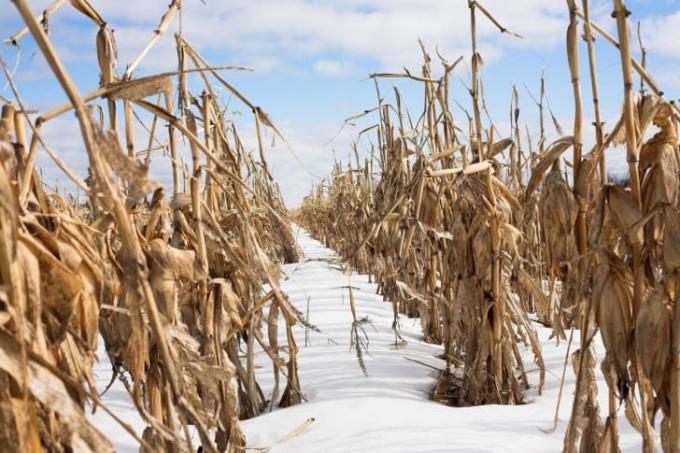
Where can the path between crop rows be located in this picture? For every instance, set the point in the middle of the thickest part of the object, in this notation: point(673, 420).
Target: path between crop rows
point(389, 409)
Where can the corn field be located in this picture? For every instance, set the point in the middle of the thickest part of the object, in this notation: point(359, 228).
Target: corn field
point(478, 235)
point(475, 235)
point(174, 286)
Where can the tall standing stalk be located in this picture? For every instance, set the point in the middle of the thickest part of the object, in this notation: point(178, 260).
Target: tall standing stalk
point(499, 309)
point(133, 252)
point(611, 429)
point(173, 298)
point(675, 371)
point(541, 117)
point(474, 90)
point(632, 151)
point(588, 405)
point(592, 64)
point(643, 53)
point(633, 157)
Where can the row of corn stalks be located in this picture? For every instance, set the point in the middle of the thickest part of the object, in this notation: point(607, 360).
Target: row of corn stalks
point(474, 233)
point(180, 286)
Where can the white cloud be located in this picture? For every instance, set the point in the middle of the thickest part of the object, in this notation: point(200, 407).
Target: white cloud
point(385, 31)
point(333, 68)
point(661, 34)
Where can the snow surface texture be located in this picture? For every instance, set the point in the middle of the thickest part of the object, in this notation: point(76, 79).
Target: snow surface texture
point(389, 410)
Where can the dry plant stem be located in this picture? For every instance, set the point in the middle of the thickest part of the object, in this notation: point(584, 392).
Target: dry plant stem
point(129, 129)
point(355, 339)
point(632, 150)
point(166, 20)
point(40, 19)
point(183, 102)
point(111, 89)
point(27, 177)
point(20, 135)
point(498, 299)
point(494, 233)
point(541, 112)
point(195, 185)
point(494, 21)
point(643, 52)
point(636, 65)
point(260, 143)
point(592, 65)
point(572, 53)
point(564, 373)
point(514, 173)
point(675, 370)
point(196, 211)
point(152, 136)
point(633, 157)
point(580, 230)
point(599, 138)
point(475, 84)
point(173, 157)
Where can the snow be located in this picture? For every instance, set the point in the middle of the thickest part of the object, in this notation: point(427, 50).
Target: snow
point(389, 410)
point(119, 402)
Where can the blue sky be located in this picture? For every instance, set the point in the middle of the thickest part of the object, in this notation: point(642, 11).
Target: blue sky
point(312, 58)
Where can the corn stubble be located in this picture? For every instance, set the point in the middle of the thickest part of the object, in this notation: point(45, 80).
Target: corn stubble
point(473, 234)
point(174, 285)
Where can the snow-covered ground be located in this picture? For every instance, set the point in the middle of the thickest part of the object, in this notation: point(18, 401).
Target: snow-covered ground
point(388, 410)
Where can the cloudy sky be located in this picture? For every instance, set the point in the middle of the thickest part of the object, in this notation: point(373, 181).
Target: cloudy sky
point(312, 57)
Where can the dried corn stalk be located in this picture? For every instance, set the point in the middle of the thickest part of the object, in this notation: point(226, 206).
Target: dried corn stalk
point(439, 232)
point(175, 287)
